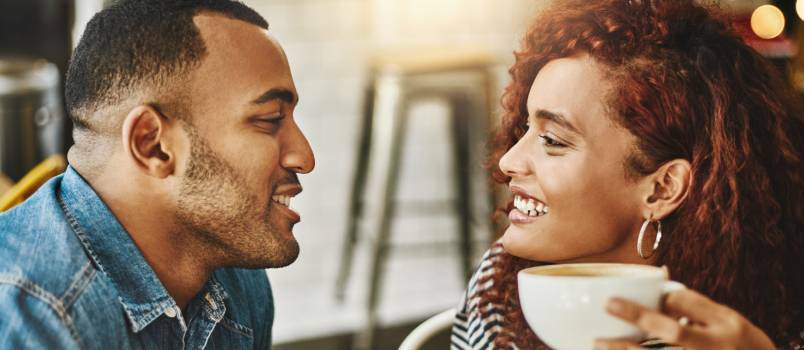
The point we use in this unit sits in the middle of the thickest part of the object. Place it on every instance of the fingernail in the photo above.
(615, 305)
(601, 345)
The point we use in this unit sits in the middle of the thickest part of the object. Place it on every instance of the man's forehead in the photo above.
(216, 28)
(230, 40)
(241, 57)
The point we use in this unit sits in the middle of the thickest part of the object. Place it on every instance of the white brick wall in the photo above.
(328, 43)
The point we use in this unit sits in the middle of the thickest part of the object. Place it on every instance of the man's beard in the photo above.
(217, 210)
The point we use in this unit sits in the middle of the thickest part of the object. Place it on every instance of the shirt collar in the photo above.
(107, 243)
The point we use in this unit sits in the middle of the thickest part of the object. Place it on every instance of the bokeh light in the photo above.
(767, 21)
(800, 9)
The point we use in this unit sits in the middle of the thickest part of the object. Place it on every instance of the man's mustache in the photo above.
(288, 179)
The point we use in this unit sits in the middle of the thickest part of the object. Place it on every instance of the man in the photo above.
(185, 161)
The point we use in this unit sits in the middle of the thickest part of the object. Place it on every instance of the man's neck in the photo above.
(174, 259)
(171, 252)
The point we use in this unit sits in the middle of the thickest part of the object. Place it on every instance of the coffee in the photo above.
(596, 270)
(565, 305)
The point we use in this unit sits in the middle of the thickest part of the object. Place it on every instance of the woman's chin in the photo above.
(531, 245)
(521, 243)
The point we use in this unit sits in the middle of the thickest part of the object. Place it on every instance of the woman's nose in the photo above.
(515, 161)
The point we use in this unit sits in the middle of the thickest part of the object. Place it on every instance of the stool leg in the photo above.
(460, 121)
(356, 195)
(488, 122)
(379, 256)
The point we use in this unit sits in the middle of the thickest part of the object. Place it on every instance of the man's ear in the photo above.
(666, 189)
(144, 143)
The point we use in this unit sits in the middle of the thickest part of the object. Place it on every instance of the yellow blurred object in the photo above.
(5, 184)
(797, 63)
(800, 9)
(767, 21)
(45, 170)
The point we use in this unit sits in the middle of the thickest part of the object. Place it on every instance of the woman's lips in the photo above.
(526, 206)
(519, 191)
(516, 216)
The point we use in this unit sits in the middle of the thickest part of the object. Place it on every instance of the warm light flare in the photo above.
(800, 9)
(767, 21)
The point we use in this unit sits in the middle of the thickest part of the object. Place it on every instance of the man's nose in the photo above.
(297, 155)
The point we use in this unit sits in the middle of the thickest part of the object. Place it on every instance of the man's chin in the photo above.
(279, 254)
(288, 255)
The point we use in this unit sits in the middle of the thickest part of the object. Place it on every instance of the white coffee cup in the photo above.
(565, 304)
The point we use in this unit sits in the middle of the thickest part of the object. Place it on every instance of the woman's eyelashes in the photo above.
(546, 139)
(551, 143)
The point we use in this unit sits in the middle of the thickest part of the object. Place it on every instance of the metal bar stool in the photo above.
(464, 79)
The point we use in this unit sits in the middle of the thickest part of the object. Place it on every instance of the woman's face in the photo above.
(573, 200)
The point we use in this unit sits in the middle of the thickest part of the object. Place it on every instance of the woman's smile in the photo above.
(526, 207)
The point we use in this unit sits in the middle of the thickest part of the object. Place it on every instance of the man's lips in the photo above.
(290, 213)
(290, 190)
(282, 197)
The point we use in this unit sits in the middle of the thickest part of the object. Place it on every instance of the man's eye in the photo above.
(550, 142)
(269, 122)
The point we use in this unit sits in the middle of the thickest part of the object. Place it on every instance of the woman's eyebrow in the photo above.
(557, 118)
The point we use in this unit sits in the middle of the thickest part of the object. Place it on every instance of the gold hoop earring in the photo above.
(642, 235)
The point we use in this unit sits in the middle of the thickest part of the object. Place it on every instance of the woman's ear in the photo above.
(666, 189)
(144, 131)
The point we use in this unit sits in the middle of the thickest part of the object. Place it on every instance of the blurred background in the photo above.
(397, 97)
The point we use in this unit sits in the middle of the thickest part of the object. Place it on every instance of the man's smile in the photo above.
(282, 196)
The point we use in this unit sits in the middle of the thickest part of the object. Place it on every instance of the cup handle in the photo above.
(672, 286)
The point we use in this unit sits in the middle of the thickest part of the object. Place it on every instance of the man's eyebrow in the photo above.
(557, 118)
(276, 94)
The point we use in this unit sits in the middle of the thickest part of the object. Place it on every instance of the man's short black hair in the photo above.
(139, 44)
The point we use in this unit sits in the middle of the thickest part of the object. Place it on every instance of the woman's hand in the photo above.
(690, 320)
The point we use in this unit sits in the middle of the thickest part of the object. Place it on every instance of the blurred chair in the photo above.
(464, 79)
(32, 120)
(428, 329)
(47, 169)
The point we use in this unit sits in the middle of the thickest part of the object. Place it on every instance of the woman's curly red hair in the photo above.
(687, 87)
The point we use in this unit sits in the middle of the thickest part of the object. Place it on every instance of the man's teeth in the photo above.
(530, 206)
(284, 200)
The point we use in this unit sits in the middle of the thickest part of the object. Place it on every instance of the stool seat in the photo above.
(431, 60)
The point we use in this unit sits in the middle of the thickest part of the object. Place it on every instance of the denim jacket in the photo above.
(72, 278)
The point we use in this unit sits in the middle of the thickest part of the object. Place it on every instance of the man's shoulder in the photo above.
(38, 247)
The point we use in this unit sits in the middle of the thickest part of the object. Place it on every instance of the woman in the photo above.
(629, 116)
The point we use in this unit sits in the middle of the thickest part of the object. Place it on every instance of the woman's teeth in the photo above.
(284, 200)
(530, 207)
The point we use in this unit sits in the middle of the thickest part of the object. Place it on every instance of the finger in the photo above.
(616, 344)
(695, 306)
(659, 325)
(649, 320)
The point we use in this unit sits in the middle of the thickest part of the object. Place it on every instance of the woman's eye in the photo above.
(548, 141)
